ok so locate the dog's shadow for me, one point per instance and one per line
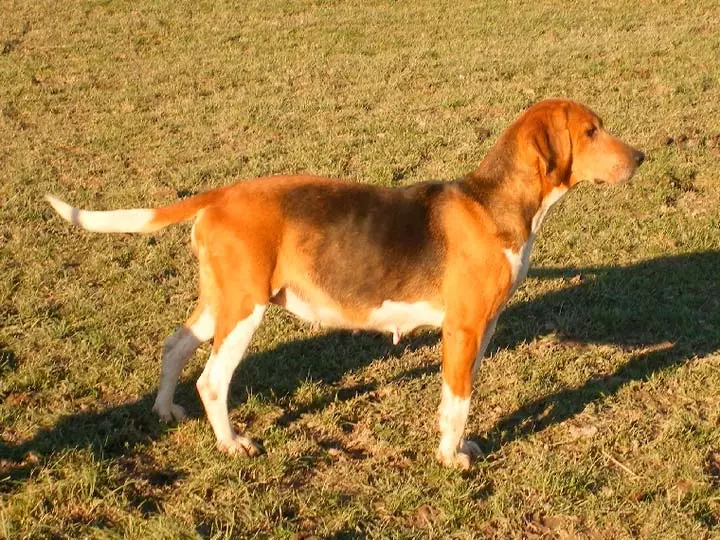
(275, 374)
(666, 309)
(670, 300)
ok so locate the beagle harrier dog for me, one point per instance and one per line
(446, 255)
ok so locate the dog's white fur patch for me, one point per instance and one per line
(401, 317)
(323, 314)
(520, 260)
(453, 413)
(395, 317)
(127, 221)
(550, 199)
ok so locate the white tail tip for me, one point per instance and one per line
(67, 212)
(126, 221)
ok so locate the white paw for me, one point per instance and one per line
(463, 456)
(169, 414)
(239, 446)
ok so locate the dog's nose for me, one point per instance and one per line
(638, 156)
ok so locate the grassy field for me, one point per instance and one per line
(598, 409)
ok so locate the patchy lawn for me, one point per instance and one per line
(599, 407)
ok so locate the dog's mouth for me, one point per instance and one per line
(623, 177)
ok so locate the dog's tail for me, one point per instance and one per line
(134, 220)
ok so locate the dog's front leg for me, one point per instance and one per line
(460, 349)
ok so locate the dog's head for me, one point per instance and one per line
(567, 143)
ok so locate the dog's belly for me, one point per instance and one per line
(394, 317)
(402, 317)
(314, 312)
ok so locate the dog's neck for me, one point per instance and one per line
(513, 196)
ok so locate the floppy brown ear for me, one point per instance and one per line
(552, 143)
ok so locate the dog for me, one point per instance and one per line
(441, 254)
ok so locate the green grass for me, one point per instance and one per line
(599, 407)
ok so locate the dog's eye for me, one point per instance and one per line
(591, 131)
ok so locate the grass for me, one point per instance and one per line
(599, 407)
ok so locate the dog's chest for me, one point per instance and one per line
(520, 260)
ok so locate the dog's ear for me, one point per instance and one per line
(551, 141)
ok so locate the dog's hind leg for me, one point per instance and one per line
(236, 269)
(177, 350)
(231, 340)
